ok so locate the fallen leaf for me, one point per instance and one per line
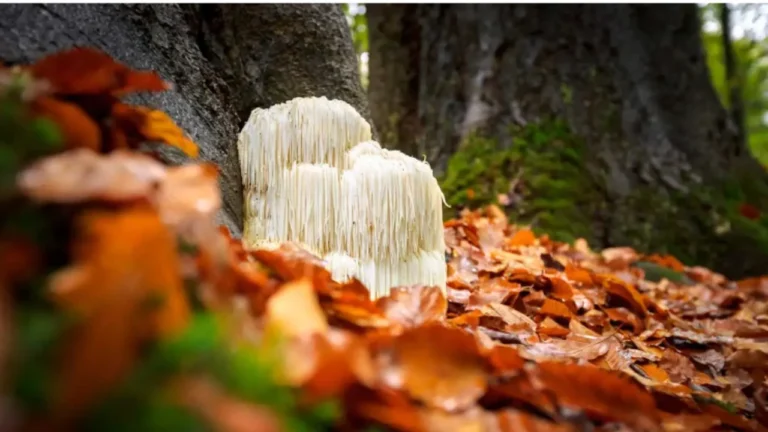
(224, 412)
(78, 130)
(516, 320)
(439, 366)
(413, 306)
(555, 309)
(125, 287)
(188, 200)
(524, 237)
(749, 211)
(89, 71)
(520, 421)
(561, 289)
(600, 393)
(83, 175)
(144, 124)
(551, 328)
(293, 311)
(626, 292)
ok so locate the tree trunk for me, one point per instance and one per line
(630, 84)
(224, 61)
(397, 70)
(732, 74)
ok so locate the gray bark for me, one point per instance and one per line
(484, 67)
(732, 74)
(630, 80)
(224, 61)
(393, 75)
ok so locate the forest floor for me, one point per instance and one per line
(125, 307)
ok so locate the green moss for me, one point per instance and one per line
(702, 226)
(558, 196)
(567, 93)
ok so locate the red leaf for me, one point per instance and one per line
(749, 211)
(90, 71)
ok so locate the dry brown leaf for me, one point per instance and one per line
(439, 366)
(125, 287)
(83, 175)
(523, 237)
(516, 320)
(520, 421)
(382, 406)
(555, 309)
(550, 327)
(578, 275)
(144, 124)
(602, 394)
(293, 311)
(626, 292)
(413, 306)
(221, 410)
(188, 199)
(561, 289)
(78, 130)
(90, 71)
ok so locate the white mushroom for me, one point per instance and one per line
(313, 176)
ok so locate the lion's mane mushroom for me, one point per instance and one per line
(312, 175)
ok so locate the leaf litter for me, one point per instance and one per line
(163, 314)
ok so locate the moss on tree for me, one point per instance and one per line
(545, 172)
(542, 171)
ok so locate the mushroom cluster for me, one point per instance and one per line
(313, 176)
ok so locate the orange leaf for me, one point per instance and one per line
(520, 421)
(523, 237)
(561, 289)
(626, 292)
(555, 309)
(666, 261)
(293, 311)
(602, 394)
(578, 275)
(505, 359)
(291, 262)
(412, 306)
(440, 366)
(516, 320)
(655, 373)
(550, 327)
(90, 71)
(76, 127)
(338, 361)
(145, 124)
(382, 406)
(126, 287)
(626, 317)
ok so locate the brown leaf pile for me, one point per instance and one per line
(80, 89)
(533, 335)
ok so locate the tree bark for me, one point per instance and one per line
(630, 81)
(732, 75)
(224, 60)
(394, 31)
